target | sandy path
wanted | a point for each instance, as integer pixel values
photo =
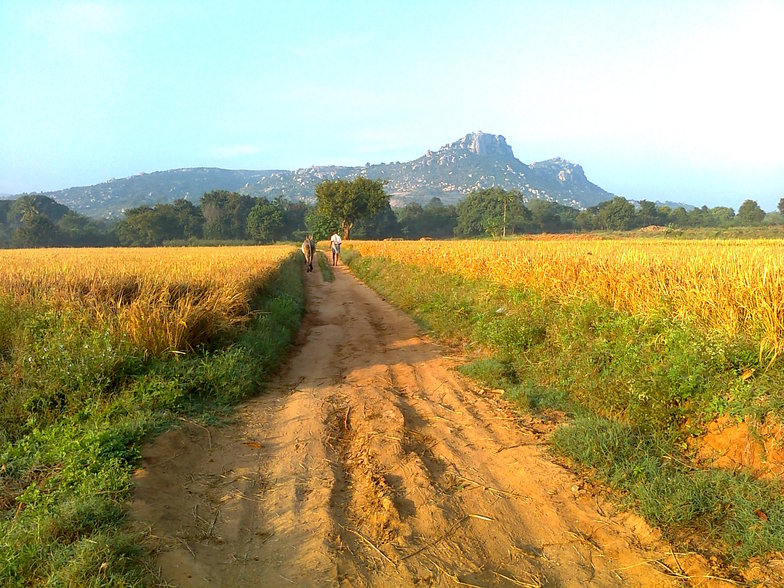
(370, 461)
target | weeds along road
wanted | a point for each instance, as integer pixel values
(371, 462)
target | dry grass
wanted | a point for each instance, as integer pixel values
(733, 286)
(164, 300)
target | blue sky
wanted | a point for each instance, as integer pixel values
(659, 100)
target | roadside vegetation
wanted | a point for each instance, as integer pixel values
(637, 343)
(99, 350)
(324, 267)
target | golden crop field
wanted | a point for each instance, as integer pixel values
(163, 299)
(734, 286)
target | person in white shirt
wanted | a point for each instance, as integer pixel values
(335, 241)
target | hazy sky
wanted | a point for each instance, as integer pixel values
(680, 100)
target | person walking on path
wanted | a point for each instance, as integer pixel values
(335, 241)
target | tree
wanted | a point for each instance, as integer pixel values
(410, 220)
(36, 230)
(781, 206)
(471, 213)
(226, 214)
(648, 214)
(677, 216)
(265, 220)
(382, 224)
(551, 217)
(80, 231)
(699, 217)
(438, 220)
(294, 220)
(144, 226)
(189, 218)
(586, 219)
(721, 216)
(344, 202)
(44, 205)
(319, 225)
(750, 213)
(5, 207)
(615, 215)
(493, 211)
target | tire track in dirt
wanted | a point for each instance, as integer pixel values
(371, 462)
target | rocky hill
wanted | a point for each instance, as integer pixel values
(478, 160)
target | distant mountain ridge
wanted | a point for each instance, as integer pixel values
(475, 161)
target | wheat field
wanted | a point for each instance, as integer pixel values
(733, 286)
(164, 299)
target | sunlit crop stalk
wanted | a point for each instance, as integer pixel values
(163, 300)
(732, 286)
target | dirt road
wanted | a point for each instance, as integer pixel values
(370, 461)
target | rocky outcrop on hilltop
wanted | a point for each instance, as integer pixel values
(475, 161)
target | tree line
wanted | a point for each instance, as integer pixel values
(358, 208)
(499, 212)
(38, 221)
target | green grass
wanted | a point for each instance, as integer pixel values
(75, 408)
(723, 506)
(326, 270)
(635, 388)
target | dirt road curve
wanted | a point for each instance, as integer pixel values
(371, 462)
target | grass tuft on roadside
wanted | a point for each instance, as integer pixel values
(326, 270)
